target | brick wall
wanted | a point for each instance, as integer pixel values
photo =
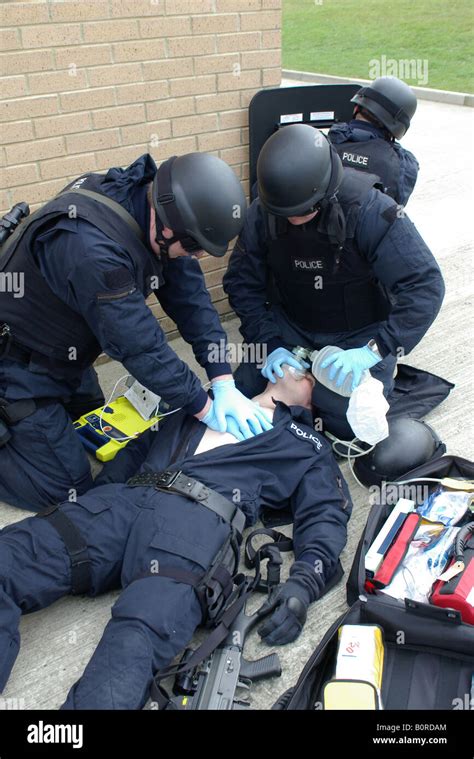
(89, 85)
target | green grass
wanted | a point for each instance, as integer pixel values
(342, 37)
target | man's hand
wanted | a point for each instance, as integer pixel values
(276, 359)
(290, 604)
(355, 360)
(233, 412)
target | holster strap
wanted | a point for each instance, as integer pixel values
(76, 546)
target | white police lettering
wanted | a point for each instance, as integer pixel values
(362, 160)
(303, 264)
(306, 435)
(45, 733)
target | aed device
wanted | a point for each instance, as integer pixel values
(106, 430)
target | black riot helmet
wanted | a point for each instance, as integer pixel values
(409, 444)
(390, 101)
(297, 168)
(201, 199)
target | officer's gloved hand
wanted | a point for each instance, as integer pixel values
(235, 413)
(290, 605)
(210, 418)
(275, 360)
(355, 360)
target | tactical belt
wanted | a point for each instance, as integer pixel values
(76, 547)
(178, 482)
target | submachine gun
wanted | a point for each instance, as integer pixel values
(218, 677)
(215, 683)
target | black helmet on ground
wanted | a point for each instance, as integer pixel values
(409, 444)
(296, 169)
(390, 101)
(200, 198)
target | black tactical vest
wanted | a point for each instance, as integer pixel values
(40, 322)
(320, 287)
(375, 156)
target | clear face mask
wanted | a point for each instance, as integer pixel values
(297, 374)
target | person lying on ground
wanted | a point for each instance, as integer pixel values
(158, 544)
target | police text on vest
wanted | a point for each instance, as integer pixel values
(360, 160)
(305, 264)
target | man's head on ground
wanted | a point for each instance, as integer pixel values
(197, 205)
(294, 388)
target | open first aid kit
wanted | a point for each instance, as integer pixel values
(407, 640)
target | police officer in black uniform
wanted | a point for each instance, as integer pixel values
(88, 260)
(326, 259)
(382, 115)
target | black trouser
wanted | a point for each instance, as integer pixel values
(131, 533)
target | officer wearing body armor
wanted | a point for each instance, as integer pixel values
(382, 115)
(326, 259)
(89, 258)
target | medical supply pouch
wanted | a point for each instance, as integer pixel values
(429, 649)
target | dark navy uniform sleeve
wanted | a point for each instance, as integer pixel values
(409, 168)
(405, 266)
(185, 298)
(95, 277)
(321, 508)
(245, 282)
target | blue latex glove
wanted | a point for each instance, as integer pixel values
(355, 360)
(233, 427)
(233, 412)
(275, 360)
(290, 605)
(213, 423)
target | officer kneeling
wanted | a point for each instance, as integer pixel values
(326, 259)
(89, 258)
